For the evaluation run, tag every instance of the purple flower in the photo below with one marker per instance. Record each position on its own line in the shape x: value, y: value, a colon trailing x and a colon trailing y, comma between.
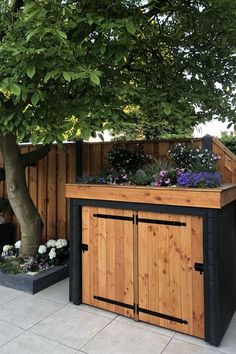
x: 199, y: 179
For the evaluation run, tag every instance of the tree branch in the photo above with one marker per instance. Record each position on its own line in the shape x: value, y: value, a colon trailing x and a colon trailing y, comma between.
x: 30, y: 158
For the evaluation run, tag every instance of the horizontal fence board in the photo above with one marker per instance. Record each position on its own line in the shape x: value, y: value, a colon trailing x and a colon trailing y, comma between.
x: 46, y: 180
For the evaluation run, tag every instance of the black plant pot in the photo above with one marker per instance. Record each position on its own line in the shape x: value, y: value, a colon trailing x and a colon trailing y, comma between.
x: 6, y: 235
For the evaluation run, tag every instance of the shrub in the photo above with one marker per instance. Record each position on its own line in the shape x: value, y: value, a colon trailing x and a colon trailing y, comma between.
x: 122, y: 160
x: 229, y: 141
x: 193, y: 159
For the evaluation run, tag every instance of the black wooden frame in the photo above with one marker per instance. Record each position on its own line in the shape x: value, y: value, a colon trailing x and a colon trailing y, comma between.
x: 218, y: 312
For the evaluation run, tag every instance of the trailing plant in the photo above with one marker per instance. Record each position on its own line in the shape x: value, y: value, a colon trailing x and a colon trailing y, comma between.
x: 199, y: 179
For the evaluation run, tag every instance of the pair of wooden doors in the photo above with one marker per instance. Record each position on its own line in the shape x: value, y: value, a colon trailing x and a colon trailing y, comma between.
x: 145, y: 265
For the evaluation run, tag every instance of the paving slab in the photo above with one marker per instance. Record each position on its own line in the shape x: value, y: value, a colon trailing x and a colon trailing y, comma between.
x: 8, y: 332
x: 48, y: 323
x: 27, y: 310
x: 71, y: 326
x: 28, y: 343
x: 121, y: 338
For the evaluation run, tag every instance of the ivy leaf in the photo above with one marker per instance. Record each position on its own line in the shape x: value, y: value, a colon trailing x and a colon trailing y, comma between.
x: 30, y: 71
x: 94, y: 78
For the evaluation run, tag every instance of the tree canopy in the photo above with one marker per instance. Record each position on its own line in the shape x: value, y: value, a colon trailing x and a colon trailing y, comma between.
x: 76, y: 65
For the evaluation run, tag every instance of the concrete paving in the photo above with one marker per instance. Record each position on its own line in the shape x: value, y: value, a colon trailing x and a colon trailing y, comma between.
x: 48, y: 323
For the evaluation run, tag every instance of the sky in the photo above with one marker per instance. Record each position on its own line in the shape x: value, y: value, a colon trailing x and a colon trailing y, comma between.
x: 214, y: 128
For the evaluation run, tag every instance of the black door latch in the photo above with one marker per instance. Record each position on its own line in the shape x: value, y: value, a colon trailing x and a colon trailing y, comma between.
x: 199, y: 267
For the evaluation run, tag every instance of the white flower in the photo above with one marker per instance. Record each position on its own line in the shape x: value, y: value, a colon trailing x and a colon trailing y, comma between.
x: 18, y: 244
x: 52, y: 253
x: 7, y: 248
x: 51, y: 243
x: 42, y: 249
x: 61, y: 243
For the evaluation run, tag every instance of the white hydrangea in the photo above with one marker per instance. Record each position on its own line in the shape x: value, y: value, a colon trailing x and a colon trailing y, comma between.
x: 18, y: 244
x: 7, y: 248
x: 61, y: 243
x: 52, y: 253
x: 51, y: 243
x: 42, y: 249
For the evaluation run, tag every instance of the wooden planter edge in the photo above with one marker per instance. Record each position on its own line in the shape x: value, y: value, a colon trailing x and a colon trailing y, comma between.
x: 215, y: 198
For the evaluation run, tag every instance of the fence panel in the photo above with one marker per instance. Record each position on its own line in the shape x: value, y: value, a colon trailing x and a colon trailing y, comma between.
x: 47, y: 179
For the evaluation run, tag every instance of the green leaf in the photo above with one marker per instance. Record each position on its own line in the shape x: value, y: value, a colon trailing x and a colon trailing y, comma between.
x: 15, y: 89
x: 94, y: 78
x: 35, y: 99
x: 30, y: 71
x: 61, y: 34
x: 67, y: 76
x: 130, y: 27
x: 167, y: 110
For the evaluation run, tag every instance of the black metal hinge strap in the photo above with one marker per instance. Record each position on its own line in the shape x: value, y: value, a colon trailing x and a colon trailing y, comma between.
x: 114, y: 217
x: 161, y: 222
x: 199, y: 267
x: 84, y: 247
x: 162, y: 315
x: 114, y: 302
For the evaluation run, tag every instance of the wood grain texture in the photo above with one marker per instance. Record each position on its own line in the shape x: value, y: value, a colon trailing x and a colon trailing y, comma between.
x: 206, y: 198
x: 108, y: 264
x: 168, y: 283
x: 46, y: 182
x: 227, y: 163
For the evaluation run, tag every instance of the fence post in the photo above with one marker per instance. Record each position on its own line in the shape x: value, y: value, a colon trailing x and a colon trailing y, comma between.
x: 79, y: 159
x: 207, y: 142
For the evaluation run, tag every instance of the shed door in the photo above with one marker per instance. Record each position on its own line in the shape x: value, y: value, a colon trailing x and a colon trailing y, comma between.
x: 170, y: 290
x: 107, y: 278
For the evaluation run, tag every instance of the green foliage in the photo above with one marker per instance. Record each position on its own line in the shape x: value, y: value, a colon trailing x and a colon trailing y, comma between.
x: 229, y: 141
x: 122, y: 160
x: 140, y: 178
x: 194, y: 159
x: 77, y: 65
x: 11, y: 265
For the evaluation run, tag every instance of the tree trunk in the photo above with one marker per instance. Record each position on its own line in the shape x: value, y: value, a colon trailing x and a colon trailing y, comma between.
x: 31, y: 224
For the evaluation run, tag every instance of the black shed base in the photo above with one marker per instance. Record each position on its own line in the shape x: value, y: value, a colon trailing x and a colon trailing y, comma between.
x: 34, y: 283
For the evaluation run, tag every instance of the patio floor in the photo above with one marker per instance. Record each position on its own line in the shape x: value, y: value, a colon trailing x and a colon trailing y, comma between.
x: 48, y: 323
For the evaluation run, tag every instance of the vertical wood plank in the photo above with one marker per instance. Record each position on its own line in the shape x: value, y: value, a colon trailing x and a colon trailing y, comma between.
x: 61, y: 221
x: 143, y: 266
x: 51, y: 193
x: 128, y: 241
x: 186, y: 274
x: 42, y: 193
x: 86, y: 259
x: 197, y: 278
x: 175, y: 279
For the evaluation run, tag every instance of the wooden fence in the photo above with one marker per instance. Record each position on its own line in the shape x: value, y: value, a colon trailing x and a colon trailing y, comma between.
x: 47, y: 180
x: 46, y: 184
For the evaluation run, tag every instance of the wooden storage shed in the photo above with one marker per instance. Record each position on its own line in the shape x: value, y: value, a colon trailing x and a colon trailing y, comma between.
x: 166, y: 256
